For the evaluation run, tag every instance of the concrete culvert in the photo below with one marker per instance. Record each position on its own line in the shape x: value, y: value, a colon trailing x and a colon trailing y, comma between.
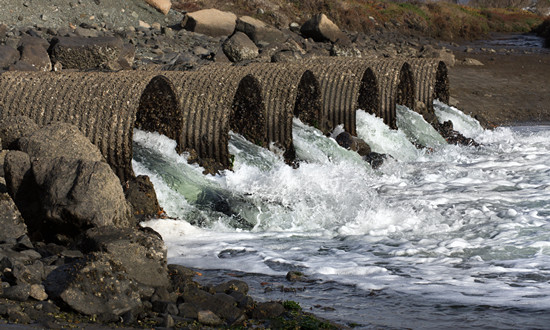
x: 212, y: 103
x: 432, y: 82
x: 286, y: 90
x: 104, y: 106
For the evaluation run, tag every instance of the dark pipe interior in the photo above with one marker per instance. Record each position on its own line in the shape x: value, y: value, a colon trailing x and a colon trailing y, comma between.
x: 308, y: 102
x: 159, y: 109
x: 248, y: 111
x: 369, y: 99
x: 441, y: 91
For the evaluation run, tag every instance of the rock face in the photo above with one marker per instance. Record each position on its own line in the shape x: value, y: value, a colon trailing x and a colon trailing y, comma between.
x: 320, y: 28
x: 66, y: 175
x: 211, y: 22
x: 240, y: 48
x: 94, y: 285
x: 12, y: 128
x: 141, y: 253
x: 11, y: 222
x: 259, y: 32
x: 86, y: 53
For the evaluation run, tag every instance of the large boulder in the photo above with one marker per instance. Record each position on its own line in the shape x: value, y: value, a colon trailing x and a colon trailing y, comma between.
x: 8, y: 56
x: 77, y: 194
x: 11, y: 222
x: 258, y: 31
x: 59, y: 139
x: 95, y: 285
x: 36, y: 56
x: 240, y: 48
x: 321, y: 29
x: 14, y: 127
x: 141, y: 252
x: 87, y: 53
x: 211, y: 22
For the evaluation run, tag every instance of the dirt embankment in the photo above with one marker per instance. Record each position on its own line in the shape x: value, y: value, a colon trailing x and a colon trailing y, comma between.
x: 510, y: 88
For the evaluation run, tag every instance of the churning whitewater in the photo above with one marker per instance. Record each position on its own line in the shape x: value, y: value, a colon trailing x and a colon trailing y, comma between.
x: 454, y: 236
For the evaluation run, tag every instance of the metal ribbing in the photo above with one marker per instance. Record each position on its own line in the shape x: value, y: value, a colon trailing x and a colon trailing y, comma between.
x: 340, y: 81
x: 280, y: 86
x: 102, y: 105
x: 431, y: 82
x: 205, y: 101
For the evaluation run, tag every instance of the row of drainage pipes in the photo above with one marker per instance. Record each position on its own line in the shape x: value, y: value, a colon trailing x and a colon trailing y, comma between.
x: 198, y: 108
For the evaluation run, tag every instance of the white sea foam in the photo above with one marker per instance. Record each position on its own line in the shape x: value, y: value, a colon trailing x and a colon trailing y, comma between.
x: 461, y: 225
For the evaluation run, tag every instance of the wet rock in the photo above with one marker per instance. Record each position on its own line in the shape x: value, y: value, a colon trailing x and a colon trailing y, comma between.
x: 446, y: 130
x: 161, y: 5
x: 8, y: 56
x: 14, y: 127
x: 240, y: 48
x: 11, y: 221
x: 321, y: 29
x: 221, y: 304
x: 140, y: 193
x: 232, y: 286
x: 181, y: 278
x: 350, y: 142
x: 211, y: 22
x: 86, y: 53
x: 259, y: 32
x: 268, y: 310
x: 94, y: 286
x: 375, y: 159
x: 209, y: 318
x: 140, y: 252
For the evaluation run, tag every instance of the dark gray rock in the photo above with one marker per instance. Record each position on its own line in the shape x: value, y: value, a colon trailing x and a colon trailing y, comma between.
x: 11, y: 221
x: 259, y: 32
x: 14, y: 127
x: 221, y: 304
x: 375, y: 159
x: 141, y: 252
x: 86, y: 53
x: 29, y: 274
x: 208, y: 318
x: 231, y: 286
x: 8, y: 56
x: 28, y: 39
x: 18, y: 292
x: 37, y: 56
x: 350, y: 142
x: 240, y: 48
x: 77, y: 194
x: 140, y: 193
x: 94, y: 286
x: 268, y: 310
x: 321, y: 29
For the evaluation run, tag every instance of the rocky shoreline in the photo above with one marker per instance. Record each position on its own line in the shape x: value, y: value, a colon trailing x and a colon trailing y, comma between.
x: 72, y: 252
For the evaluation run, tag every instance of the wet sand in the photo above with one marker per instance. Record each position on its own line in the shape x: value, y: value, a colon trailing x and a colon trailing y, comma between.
x: 509, y: 89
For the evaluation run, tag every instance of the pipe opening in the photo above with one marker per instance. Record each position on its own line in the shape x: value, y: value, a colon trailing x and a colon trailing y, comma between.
x: 441, y: 90
x: 405, y: 92
x: 159, y: 109
x: 308, y: 106
x: 369, y: 98
x: 248, y: 111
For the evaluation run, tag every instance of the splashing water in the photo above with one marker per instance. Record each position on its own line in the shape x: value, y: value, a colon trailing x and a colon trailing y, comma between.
x: 468, y: 126
x: 383, y: 139
x: 417, y: 129
x: 429, y: 241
